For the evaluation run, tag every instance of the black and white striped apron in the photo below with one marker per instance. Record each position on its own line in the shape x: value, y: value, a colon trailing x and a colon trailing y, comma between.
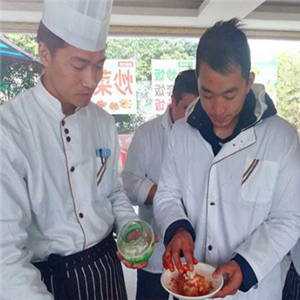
x: 291, y: 289
x: 93, y: 274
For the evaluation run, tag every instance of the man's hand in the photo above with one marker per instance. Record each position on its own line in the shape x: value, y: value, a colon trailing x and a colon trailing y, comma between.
x: 134, y: 266
x: 181, y: 241
x: 129, y: 265
x: 233, y: 281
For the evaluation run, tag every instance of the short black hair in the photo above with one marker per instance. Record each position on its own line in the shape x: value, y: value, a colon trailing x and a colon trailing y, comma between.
x: 51, y: 40
x: 185, y: 82
x: 224, y: 46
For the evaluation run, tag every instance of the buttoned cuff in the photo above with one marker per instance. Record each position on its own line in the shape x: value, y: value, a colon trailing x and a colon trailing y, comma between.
x: 179, y: 224
x: 249, y: 277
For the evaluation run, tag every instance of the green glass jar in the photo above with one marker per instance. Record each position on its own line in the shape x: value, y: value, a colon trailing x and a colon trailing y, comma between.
x: 136, y: 242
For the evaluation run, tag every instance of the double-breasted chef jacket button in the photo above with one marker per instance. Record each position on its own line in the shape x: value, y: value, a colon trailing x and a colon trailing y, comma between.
x: 81, y: 215
x: 210, y: 247
x: 63, y: 122
x: 68, y: 139
x: 66, y: 131
x: 72, y: 169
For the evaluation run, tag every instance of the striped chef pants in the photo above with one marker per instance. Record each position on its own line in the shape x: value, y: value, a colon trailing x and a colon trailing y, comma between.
x: 93, y: 274
x: 291, y: 289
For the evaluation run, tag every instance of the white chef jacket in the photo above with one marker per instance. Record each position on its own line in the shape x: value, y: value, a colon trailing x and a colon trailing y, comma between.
x: 50, y: 201
x: 142, y: 170
x: 296, y: 257
x: 260, y: 219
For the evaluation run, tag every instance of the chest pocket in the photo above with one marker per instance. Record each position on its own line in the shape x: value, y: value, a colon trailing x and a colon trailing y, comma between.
x: 102, y: 171
x: 259, y: 180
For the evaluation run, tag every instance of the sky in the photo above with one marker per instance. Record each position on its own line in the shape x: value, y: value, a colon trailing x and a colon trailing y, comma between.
x: 266, y: 50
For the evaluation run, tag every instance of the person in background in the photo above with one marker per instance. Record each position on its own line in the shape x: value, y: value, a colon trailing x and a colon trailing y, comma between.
x: 229, y: 190
x: 291, y: 290
x: 142, y: 171
x: 60, y: 195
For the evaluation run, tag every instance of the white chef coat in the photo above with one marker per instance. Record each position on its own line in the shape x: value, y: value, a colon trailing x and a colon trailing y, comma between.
x: 296, y: 257
x: 142, y: 170
x: 260, y: 219
x: 50, y: 201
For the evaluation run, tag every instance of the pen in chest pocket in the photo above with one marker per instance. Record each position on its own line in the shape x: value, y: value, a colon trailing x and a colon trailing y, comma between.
x: 250, y: 169
x: 103, y: 154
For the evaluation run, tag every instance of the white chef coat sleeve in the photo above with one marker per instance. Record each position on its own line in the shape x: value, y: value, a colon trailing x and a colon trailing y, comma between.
x: 266, y: 247
x: 135, y: 181
x: 121, y: 207
x: 168, y: 207
x: 19, y: 279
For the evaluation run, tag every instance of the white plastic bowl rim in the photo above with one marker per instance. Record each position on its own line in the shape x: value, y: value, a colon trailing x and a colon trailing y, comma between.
x: 202, y: 269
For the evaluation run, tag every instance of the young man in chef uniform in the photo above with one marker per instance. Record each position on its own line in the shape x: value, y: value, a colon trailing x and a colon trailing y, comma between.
x: 229, y: 190
x: 60, y: 195
x: 142, y: 171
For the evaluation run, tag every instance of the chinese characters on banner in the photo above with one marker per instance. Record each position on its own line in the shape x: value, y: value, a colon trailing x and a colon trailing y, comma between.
x: 164, y: 73
x: 116, y: 92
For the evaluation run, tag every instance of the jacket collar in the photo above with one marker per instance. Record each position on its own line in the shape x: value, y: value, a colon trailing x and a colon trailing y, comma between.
x: 257, y: 107
x: 264, y: 106
x: 48, y: 101
x: 244, y: 140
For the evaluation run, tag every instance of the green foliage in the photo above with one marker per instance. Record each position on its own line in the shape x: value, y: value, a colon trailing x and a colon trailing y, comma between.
x: 25, y: 41
x: 143, y: 50
x: 17, y: 76
x: 288, y: 89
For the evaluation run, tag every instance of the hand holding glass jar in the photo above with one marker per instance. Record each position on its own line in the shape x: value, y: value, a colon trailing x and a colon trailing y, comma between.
x: 136, y: 242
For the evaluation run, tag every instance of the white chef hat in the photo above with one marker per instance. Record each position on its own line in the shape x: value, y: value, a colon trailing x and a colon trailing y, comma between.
x: 83, y: 24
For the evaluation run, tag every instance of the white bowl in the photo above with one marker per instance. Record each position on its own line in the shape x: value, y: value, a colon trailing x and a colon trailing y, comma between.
x: 202, y: 269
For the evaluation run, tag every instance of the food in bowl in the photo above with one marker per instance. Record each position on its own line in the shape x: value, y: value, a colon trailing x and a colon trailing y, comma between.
x: 190, y: 283
x: 179, y: 287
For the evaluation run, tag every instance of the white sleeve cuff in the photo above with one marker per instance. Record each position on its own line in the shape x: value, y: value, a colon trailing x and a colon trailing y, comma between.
x: 144, y: 190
